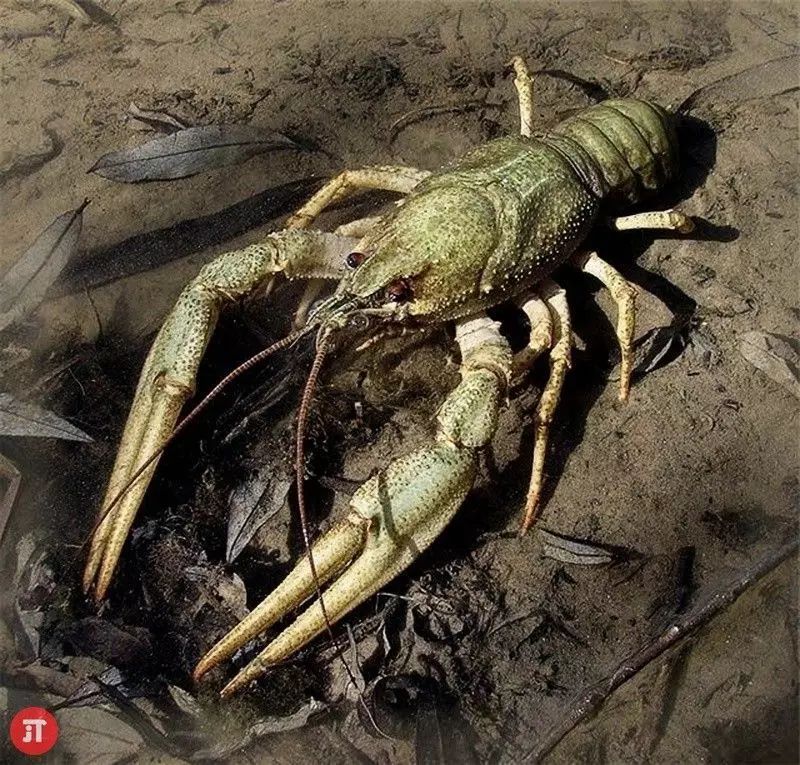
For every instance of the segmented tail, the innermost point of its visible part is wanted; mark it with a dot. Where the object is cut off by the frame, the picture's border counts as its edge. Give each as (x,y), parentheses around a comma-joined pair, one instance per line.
(624,149)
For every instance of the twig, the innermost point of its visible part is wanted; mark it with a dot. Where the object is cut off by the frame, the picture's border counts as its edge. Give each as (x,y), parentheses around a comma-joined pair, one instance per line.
(417,115)
(785,62)
(160,120)
(589,702)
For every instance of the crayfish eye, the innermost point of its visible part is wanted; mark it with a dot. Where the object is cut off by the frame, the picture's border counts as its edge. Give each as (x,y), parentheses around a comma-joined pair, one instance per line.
(355,259)
(400,291)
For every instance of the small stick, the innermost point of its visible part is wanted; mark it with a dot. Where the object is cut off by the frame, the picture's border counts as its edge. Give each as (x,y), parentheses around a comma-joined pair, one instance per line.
(590,701)
(425,112)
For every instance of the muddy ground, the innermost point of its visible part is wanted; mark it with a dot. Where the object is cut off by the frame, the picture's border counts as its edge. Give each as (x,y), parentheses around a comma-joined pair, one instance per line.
(482,646)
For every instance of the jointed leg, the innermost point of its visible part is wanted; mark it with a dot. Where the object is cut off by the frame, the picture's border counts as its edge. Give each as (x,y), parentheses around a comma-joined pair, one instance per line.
(389,178)
(560,360)
(358,228)
(540,340)
(624,295)
(524,85)
(670,220)
(355,229)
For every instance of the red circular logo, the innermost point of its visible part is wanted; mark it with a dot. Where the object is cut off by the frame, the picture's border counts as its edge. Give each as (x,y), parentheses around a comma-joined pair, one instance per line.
(34,730)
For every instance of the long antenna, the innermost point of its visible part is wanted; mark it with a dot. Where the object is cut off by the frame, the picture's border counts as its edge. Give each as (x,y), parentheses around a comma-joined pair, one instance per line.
(194,414)
(300,458)
(323,342)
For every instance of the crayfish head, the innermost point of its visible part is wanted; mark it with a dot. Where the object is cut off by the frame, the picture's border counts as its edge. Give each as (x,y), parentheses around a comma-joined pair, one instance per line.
(423,262)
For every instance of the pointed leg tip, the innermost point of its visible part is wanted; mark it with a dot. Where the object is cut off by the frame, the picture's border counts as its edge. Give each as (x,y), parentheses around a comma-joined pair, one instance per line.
(100,590)
(625,382)
(531,512)
(90,585)
(204,666)
(681,222)
(90,572)
(233,686)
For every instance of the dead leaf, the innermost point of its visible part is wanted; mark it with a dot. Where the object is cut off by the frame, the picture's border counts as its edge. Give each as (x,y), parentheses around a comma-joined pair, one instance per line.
(776,356)
(153,249)
(20,419)
(568,550)
(156,119)
(33,585)
(184,700)
(188,152)
(654,346)
(267,726)
(27,281)
(252,504)
(96,13)
(97,736)
(71,8)
(90,693)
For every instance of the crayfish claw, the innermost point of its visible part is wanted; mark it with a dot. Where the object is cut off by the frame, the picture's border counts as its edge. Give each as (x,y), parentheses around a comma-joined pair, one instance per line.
(394,516)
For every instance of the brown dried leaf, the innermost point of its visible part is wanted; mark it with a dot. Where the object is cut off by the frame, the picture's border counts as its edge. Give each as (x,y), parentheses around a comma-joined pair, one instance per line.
(20,419)
(568,550)
(775,356)
(654,347)
(184,700)
(97,736)
(188,152)
(27,281)
(252,504)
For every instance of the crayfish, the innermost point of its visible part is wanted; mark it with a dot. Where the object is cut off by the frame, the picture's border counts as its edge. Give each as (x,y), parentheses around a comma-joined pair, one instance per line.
(491,228)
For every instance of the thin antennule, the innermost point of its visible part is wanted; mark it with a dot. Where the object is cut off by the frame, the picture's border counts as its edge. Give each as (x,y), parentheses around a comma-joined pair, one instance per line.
(194,413)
